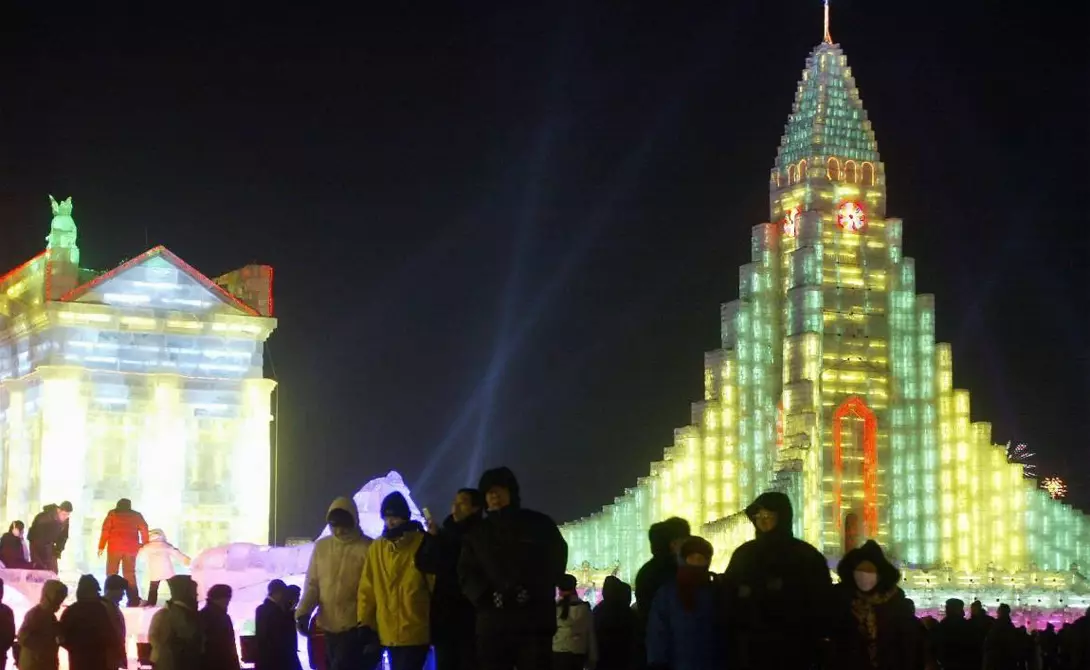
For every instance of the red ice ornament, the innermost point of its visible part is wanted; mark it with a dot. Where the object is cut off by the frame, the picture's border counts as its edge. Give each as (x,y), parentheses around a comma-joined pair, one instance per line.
(851,217)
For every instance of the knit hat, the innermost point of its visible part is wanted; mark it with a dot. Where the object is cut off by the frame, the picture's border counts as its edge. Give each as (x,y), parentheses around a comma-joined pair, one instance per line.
(396,505)
(504,478)
(696,545)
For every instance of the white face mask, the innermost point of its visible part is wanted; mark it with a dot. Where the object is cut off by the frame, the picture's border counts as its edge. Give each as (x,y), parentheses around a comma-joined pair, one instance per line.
(866,581)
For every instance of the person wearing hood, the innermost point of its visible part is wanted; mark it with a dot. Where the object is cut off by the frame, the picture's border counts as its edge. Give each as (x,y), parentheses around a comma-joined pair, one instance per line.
(615,626)
(124,531)
(684,628)
(88,631)
(331,587)
(873,626)
(39,634)
(665,538)
(159,556)
(776,592)
(394,595)
(452,629)
(48,535)
(14,553)
(175,633)
(510,566)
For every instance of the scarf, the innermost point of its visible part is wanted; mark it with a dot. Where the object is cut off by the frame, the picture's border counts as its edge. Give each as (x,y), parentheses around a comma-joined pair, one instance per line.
(867,622)
(690,579)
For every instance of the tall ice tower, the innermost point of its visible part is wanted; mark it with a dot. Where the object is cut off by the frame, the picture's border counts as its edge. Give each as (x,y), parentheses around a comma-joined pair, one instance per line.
(829,386)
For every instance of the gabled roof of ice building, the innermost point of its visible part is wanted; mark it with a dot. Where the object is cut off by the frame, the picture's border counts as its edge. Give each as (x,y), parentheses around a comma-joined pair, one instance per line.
(369,503)
(827,118)
(162,257)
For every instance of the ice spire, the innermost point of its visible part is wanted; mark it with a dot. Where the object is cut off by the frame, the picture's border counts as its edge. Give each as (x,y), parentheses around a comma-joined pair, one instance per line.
(828,35)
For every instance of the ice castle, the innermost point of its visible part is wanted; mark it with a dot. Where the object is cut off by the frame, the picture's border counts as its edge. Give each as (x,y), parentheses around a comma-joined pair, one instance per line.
(829,386)
(143,382)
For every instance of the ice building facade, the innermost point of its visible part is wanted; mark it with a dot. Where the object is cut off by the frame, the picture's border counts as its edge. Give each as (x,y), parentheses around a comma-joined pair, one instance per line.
(143,382)
(829,386)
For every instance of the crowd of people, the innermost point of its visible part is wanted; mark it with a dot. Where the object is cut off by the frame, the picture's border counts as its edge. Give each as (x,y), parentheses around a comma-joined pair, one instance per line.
(486,589)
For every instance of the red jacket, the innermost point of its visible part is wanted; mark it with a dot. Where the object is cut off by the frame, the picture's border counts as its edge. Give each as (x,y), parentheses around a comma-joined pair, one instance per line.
(124,532)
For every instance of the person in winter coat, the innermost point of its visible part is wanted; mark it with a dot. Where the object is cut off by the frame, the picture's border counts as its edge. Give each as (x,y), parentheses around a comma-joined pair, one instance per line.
(220,652)
(274,630)
(113,590)
(175,632)
(452,629)
(48,535)
(666,538)
(684,629)
(574,645)
(957,646)
(776,593)
(40,632)
(332,585)
(159,556)
(615,626)
(124,531)
(394,596)
(1004,646)
(87,629)
(873,627)
(14,553)
(510,565)
(7,629)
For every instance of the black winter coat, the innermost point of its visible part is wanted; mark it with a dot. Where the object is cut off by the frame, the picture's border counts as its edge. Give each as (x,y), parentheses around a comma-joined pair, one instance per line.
(451,612)
(277,644)
(11,553)
(898,631)
(47,533)
(509,552)
(220,652)
(777,594)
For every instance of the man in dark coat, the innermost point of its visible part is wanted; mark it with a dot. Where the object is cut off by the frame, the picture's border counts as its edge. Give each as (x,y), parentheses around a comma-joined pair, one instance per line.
(48,535)
(274,630)
(777,593)
(220,652)
(510,565)
(665,537)
(7,629)
(452,615)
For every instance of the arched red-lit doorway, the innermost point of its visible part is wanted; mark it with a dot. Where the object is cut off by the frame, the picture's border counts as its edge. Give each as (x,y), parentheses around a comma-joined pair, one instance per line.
(854,414)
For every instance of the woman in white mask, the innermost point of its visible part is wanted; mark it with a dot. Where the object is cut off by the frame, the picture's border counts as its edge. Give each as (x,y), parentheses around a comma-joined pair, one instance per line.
(874,627)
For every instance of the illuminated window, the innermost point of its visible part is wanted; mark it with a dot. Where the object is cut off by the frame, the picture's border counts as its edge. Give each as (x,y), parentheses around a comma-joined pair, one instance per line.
(792,175)
(775,178)
(802,169)
(850,174)
(832,170)
(868,174)
(791,222)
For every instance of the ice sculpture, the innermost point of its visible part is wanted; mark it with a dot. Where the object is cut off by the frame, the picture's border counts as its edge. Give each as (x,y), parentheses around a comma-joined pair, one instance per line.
(144,382)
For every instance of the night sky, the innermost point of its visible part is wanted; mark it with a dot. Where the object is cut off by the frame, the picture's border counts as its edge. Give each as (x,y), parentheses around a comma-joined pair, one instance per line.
(512,224)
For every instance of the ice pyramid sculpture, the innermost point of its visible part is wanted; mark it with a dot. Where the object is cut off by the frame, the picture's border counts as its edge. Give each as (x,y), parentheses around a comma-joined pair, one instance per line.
(369,503)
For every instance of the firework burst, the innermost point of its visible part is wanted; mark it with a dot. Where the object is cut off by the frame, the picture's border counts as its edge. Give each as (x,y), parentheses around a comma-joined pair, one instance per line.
(1055,487)
(1020,454)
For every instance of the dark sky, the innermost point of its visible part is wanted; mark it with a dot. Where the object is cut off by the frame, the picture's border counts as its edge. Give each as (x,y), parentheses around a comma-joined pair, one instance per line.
(558,192)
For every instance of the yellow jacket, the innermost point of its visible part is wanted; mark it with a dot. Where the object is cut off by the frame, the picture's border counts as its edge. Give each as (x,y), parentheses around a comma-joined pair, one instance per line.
(394,597)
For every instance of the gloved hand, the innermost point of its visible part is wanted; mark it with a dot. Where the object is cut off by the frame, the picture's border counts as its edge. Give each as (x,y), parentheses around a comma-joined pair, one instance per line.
(371,644)
(303,624)
(522,596)
(497,600)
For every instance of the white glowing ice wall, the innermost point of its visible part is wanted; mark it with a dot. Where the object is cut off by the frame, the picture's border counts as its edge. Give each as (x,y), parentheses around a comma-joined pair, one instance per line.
(144,382)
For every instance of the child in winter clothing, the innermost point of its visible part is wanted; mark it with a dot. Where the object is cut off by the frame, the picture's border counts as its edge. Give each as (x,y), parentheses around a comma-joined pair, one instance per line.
(160,556)
(574,645)
(40,632)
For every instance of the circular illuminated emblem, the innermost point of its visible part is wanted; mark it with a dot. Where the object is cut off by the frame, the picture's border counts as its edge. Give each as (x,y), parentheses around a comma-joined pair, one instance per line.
(851,217)
(791,222)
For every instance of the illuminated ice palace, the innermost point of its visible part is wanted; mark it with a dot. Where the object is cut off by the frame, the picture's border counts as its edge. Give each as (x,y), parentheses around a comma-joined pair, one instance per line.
(142,382)
(829,386)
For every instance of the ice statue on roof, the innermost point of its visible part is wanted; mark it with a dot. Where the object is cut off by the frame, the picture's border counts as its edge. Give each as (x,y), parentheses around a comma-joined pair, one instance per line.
(369,503)
(62,231)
